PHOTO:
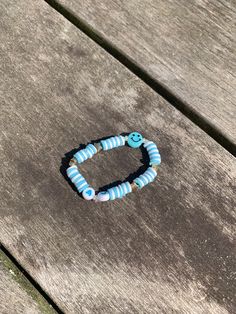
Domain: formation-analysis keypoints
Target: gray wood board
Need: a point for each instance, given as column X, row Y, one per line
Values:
column 13, row 299
column 168, row 248
column 188, row 46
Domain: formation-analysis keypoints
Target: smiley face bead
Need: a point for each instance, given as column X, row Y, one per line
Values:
column 135, row 139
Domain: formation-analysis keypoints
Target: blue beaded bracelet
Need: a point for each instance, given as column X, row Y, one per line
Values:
column 134, row 140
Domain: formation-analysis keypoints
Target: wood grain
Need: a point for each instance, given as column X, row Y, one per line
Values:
column 169, row 248
column 188, row 46
column 13, row 299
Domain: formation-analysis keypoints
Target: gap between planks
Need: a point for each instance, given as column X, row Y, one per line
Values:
column 45, row 303
column 159, row 88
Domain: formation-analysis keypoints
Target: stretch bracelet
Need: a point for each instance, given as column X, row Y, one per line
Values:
column 134, row 140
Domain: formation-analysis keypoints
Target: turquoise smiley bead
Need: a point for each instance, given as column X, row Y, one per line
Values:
column 135, row 139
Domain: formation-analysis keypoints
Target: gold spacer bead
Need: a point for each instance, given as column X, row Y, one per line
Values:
column 134, row 186
column 155, row 167
column 98, row 147
column 72, row 162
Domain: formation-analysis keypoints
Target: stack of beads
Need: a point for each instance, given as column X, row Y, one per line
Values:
column 85, row 153
column 77, row 178
column 147, row 177
column 153, row 153
column 119, row 191
column 113, row 142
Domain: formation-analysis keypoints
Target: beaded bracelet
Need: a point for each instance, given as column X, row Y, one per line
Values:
column 134, row 140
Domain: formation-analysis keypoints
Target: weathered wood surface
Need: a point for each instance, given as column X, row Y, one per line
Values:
column 188, row 46
column 169, row 248
column 13, row 299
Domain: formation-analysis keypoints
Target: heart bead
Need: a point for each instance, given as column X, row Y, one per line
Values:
column 88, row 194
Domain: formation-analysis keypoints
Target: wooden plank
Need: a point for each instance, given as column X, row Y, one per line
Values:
column 13, row 299
column 167, row 249
column 187, row 46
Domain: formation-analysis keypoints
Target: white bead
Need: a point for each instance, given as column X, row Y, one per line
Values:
column 103, row 196
column 88, row 193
